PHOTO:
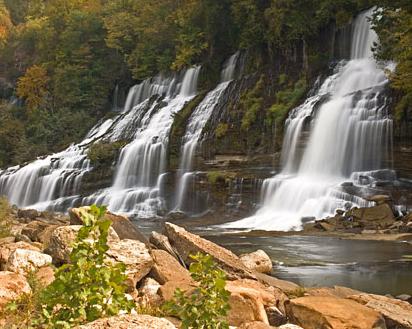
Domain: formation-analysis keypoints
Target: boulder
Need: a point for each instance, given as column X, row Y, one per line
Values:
column 286, row 286
column 148, row 292
column 258, row 261
column 315, row 312
column 138, row 321
column 397, row 313
column 121, row 224
column 336, row 291
column 12, row 285
column 255, row 325
column 135, row 255
column 161, row 242
column 379, row 216
column 249, row 299
column 275, row 316
column 24, row 261
column 167, row 290
column 7, row 249
column 380, row 199
column 28, row 213
column 62, row 239
column 33, row 229
column 188, row 244
column 167, row 268
column 45, row 275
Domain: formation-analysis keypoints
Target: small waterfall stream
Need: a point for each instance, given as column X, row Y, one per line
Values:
column 350, row 132
column 192, row 137
column 142, row 164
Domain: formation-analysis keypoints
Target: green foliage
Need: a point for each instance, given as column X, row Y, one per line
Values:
column 207, row 306
column 221, row 130
column 286, row 99
column 89, row 287
column 251, row 102
column 393, row 23
column 5, row 222
column 103, row 154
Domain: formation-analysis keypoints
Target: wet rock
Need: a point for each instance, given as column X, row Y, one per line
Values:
column 188, row 244
column 397, row 313
column 138, row 321
column 405, row 298
column 380, row 199
column 12, row 285
column 24, row 261
column 258, row 261
column 62, row 239
column 135, row 255
column 255, row 325
column 331, row 312
column 167, row 268
column 8, row 248
column 286, row 286
column 45, row 275
column 375, row 217
column 124, row 228
column 249, row 299
column 28, row 213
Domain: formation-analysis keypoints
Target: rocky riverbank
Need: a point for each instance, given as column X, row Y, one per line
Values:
column 157, row 265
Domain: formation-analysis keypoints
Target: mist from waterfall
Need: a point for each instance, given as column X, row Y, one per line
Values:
column 350, row 132
column 185, row 194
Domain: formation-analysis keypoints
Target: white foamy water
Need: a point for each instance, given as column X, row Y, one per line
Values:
column 349, row 133
column 192, row 137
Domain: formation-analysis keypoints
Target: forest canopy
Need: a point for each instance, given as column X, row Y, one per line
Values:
column 63, row 58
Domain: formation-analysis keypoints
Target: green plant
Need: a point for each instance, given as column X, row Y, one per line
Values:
column 5, row 224
column 207, row 306
column 103, row 154
column 88, row 288
column 221, row 130
column 21, row 312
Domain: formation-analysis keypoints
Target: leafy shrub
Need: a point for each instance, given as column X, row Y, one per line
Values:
column 208, row 305
column 88, row 288
column 221, row 130
column 252, row 102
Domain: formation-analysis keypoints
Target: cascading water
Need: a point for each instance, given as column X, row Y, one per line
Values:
column 142, row 164
column 350, row 132
column 191, row 139
column 54, row 182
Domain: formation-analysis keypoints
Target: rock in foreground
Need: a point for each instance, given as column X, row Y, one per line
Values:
column 129, row 322
column 332, row 313
column 258, row 261
column 397, row 313
column 188, row 244
column 12, row 285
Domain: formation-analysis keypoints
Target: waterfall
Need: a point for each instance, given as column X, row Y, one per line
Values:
column 54, row 182
column 141, row 167
column 192, row 136
column 349, row 133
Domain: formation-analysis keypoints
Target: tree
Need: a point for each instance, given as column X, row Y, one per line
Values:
column 33, row 87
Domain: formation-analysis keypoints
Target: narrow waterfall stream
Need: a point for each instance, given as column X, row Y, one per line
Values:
column 350, row 134
column 192, row 137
